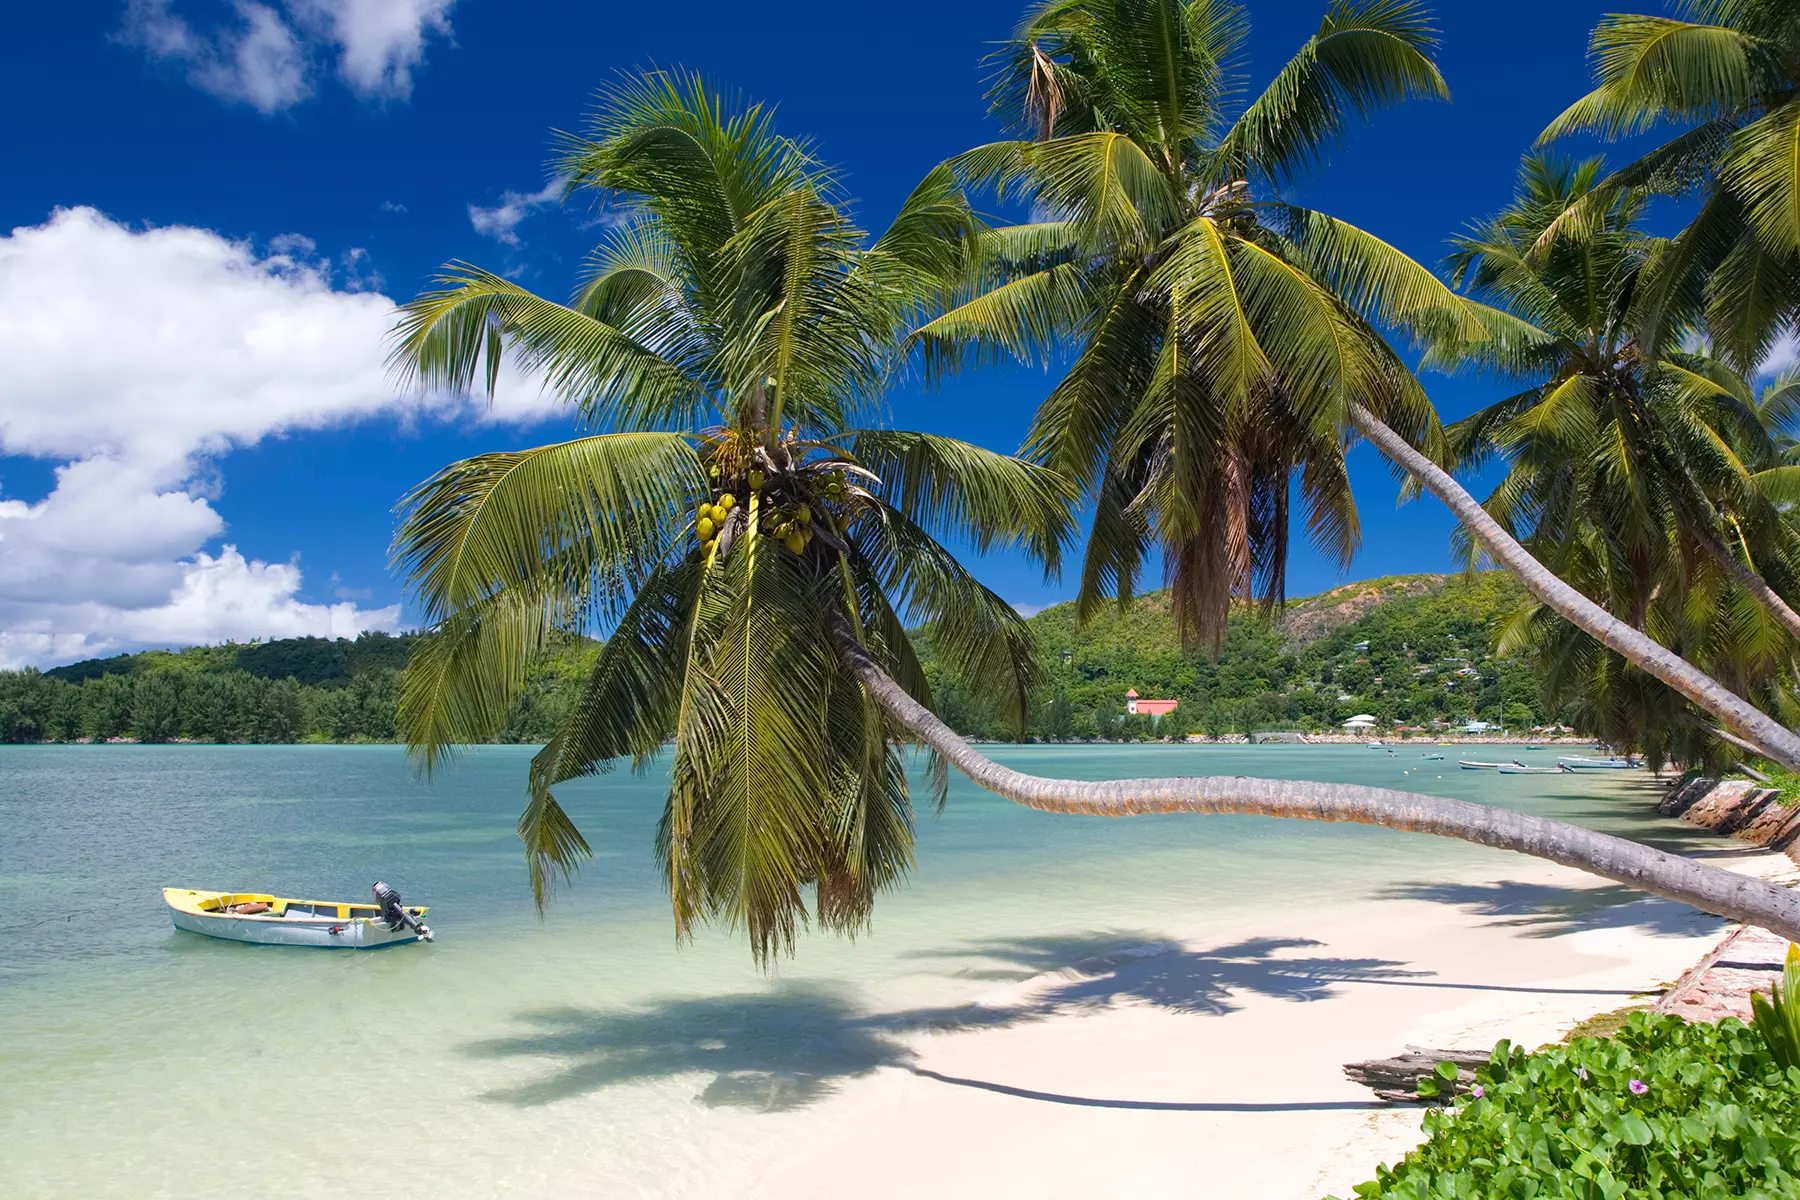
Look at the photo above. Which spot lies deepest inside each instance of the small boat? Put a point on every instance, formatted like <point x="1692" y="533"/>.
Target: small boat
<point x="1431" y="757"/>
<point x="277" y="921"/>
<point x="1519" y="768"/>
<point x="1466" y="765"/>
<point x="1534" y="747"/>
<point x="1378" y="745"/>
<point x="1598" y="764"/>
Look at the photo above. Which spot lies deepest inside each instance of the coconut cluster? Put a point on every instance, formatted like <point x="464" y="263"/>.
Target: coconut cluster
<point x="786" y="512"/>
<point x="709" y="519"/>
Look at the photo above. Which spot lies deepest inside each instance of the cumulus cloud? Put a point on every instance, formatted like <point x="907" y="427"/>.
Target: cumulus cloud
<point x="268" y="57"/>
<point x="136" y="358"/>
<point x="501" y="222"/>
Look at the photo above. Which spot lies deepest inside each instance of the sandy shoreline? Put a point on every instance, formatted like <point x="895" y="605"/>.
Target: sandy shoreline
<point x="1211" y="1066"/>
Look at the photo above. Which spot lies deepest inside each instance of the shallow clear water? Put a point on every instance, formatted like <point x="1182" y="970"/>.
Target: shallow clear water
<point x="584" y="1054"/>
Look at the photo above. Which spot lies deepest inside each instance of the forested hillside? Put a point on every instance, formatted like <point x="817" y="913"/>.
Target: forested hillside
<point x="290" y="690"/>
<point x="1427" y="656"/>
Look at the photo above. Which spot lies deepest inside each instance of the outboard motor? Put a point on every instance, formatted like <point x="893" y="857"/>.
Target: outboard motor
<point x="394" y="912"/>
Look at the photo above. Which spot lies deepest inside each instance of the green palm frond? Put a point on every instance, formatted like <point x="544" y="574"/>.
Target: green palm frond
<point x="600" y="506"/>
<point x="975" y="632"/>
<point x="1651" y="69"/>
<point x="1368" y="54"/>
<point x="446" y="336"/>
<point x="955" y="488"/>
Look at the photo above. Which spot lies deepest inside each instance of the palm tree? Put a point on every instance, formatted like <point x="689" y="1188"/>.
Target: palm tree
<point x="758" y="573"/>
<point x="1625" y="475"/>
<point x="1729" y="71"/>
<point x="726" y="515"/>
<point x="1226" y="340"/>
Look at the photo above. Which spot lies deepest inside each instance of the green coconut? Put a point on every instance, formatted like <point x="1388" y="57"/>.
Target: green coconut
<point x="704" y="527"/>
<point x="727" y="502"/>
<point x="794" y="542"/>
<point x="756" y="481"/>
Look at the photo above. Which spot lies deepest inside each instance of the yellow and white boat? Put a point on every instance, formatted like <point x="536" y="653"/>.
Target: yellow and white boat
<point x="277" y="921"/>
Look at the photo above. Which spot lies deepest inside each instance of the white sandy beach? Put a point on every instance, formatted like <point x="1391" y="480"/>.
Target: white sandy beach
<point x="1213" y="1067"/>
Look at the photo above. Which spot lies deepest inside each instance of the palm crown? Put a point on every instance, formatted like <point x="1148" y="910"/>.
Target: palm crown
<point x="728" y="522"/>
<point x="1728" y="70"/>
<point x="1635" y="478"/>
<point x="1221" y="335"/>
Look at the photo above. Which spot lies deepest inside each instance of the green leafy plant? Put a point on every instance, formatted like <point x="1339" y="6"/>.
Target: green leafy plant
<point x="1664" y="1109"/>
<point x="1777" y="1017"/>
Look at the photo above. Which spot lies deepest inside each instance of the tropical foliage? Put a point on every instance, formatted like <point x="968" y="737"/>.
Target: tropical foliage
<point x="1220" y="335"/>
<point x="728" y="517"/>
<point x="1663" y="1108"/>
<point x="1727" y="74"/>
<point x="1633" y="477"/>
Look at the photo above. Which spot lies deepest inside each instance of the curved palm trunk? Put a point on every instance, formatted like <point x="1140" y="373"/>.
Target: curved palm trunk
<point x="1738" y="714"/>
<point x="1682" y="879"/>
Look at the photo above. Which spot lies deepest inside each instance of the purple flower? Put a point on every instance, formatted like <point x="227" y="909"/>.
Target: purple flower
<point x="1477" y="1091"/>
<point x="1638" y="1087"/>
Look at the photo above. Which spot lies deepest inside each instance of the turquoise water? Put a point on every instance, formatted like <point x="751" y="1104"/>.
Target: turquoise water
<point x="584" y="1054"/>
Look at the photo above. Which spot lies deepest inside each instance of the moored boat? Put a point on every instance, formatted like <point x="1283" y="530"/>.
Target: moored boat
<point x="1598" y="764"/>
<point x="1466" y="765"/>
<point x="266" y="920"/>
<point x="1519" y="768"/>
<point x="1431" y="757"/>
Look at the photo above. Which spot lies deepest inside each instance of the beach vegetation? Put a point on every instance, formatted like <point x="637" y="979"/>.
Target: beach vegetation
<point x="1661" y="1108"/>
<point x="1777" y="1016"/>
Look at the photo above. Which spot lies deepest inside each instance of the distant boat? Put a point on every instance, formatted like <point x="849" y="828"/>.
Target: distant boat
<point x="1598" y="764"/>
<point x="1430" y="757"/>
<point x="1378" y="745"/>
<point x="1519" y="768"/>
<point x="1466" y="765"/>
<point x="277" y="921"/>
<point x="1534" y="747"/>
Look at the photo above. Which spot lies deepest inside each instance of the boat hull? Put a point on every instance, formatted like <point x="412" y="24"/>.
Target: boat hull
<point x="321" y="933"/>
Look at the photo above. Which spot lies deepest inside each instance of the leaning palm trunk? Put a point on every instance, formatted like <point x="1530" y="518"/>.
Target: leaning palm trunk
<point x="1747" y="578"/>
<point x="1710" y="889"/>
<point x="1738" y="714"/>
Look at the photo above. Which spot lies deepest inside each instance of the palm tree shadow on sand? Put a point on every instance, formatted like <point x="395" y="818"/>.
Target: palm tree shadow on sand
<point x="795" y="1044"/>
<point x="1545" y="910"/>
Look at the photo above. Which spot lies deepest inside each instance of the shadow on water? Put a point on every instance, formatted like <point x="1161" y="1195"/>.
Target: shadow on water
<point x="794" y="1045"/>
<point x="1545" y="910"/>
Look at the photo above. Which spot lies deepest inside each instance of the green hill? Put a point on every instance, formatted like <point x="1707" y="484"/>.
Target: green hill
<point x="287" y="690"/>
<point x="1392" y="647"/>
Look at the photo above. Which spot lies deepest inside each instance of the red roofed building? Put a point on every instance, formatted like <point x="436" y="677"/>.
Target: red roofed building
<point x="1148" y="708"/>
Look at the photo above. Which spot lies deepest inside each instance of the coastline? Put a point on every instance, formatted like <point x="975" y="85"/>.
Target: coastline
<point x="1212" y="1064"/>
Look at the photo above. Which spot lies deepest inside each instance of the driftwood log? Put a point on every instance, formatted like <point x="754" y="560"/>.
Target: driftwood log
<point x="1397" y="1079"/>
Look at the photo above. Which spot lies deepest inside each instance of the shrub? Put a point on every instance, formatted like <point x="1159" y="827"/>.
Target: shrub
<point x="1662" y="1110"/>
<point x="1777" y="1015"/>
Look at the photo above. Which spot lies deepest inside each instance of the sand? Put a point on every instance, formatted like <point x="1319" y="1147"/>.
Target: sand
<point x="1211" y="1066"/>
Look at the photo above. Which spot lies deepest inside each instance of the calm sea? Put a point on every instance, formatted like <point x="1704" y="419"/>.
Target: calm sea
<point x="585" y="1054"/>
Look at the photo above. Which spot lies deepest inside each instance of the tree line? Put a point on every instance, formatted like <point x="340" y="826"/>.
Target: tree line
<point x="287" y="690"/>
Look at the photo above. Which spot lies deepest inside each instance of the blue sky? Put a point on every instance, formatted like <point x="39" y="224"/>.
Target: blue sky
<point x="193" y="361"/>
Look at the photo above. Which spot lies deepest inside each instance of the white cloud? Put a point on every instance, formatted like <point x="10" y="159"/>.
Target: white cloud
<point x="1029" y="610"/>
<point x="1784" y="355"/>
<point x="268" y="57"/>
<point x="136" y="357"/>
<point x="502" y="221"/>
